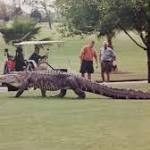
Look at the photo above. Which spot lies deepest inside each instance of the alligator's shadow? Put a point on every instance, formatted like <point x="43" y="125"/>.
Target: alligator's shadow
<point x="55" y="98"/>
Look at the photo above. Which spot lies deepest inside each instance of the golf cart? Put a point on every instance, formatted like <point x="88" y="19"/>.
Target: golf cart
<point x="31" y="65"/>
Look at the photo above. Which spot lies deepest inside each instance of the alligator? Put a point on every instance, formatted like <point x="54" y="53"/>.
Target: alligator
<point x="56" y="80"/>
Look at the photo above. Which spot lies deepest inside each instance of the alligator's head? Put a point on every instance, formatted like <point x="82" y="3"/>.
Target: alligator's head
<point x="14" y="79"/>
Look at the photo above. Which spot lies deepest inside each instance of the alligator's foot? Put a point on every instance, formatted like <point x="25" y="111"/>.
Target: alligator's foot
<point x="19" y="93"/>
<point x="61" y="94"/>
<point x="43" y="92"/>
<point x="58" y="96"/>
<point x="44" y="96"/>
<point x="80" y="98"/>
<point x="80" y="93"/>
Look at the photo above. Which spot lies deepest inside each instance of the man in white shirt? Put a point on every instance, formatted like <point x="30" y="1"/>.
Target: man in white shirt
<point x="107" y="56"/>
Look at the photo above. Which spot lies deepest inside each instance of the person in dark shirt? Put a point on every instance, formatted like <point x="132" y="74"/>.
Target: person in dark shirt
<point x="35" y="56"/>
<point x="6" y="53"/>
<point x="19" y="58"/>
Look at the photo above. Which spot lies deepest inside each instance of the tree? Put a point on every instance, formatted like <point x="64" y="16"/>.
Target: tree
<point x="41" y="5"/>
<point x="48" y="12"/>
<point x="5" y="11"/>
<point x="35" y="14"/>
<point x="125" y="15"/>
<point x="110" y="16"/>
<point x="81" y="15"/>
<point x="21" y="29"/>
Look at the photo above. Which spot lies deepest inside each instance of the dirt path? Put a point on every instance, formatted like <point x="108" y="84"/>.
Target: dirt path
<point x="126" y="82"/>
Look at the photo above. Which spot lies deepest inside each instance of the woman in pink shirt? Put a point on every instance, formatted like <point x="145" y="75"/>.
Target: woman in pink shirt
<point x="88" y="53"/>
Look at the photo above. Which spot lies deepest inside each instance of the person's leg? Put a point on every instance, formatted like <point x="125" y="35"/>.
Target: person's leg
<point x="89" y="76"/>
<point x="108" y="76"/>
<point x="102" y="76"/>
<point x="90" y="70"/>
<point x="83" y="75"/>
<point x="103" y="71"/>
<point x="83" y="68"/>
<point x="109" y="70"/>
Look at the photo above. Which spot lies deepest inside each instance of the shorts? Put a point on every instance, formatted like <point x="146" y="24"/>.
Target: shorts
<point x="86" y="67"/>
<point x="106" y="66"/>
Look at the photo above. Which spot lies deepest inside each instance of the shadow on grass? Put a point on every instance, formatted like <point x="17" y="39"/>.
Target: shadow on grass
<point x="52" y="98"/>
<point x="56" y="98"/>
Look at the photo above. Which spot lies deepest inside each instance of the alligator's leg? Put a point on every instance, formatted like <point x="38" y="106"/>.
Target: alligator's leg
<point x="80" y="93"/>
<point x="74" y="85"/>
<point x="62" y="93"/>
<point x="43" y="92"/>
<point x="23" y="87"/>
<point x="19" y="93"/>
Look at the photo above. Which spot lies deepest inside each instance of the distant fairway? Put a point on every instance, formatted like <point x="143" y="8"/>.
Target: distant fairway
<point x="130" y="58"/>
<point x="97" y="123"/>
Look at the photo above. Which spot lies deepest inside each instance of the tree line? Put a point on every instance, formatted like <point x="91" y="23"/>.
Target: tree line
<point x="107" y="17"/>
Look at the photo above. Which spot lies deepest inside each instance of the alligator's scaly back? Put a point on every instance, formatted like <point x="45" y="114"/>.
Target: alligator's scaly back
<point x="55" y="80"/>
<point x="112" y="92"/>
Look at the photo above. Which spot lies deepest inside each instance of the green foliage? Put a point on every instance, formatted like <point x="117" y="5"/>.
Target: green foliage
<point x="20" y="29"/>
<point x="6" y="11"/>
<point x="107" y="16"/>
<point x="127" y="15"/>
<point x="79" y="14"/>
<point x="36" y="15"/>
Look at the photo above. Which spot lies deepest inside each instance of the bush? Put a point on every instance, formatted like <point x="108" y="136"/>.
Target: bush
<point x="20" y="29"/>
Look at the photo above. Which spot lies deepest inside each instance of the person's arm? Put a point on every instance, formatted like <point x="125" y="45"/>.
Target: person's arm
<point x="113" y="55"/>
<point x="82" y="54"/>
<point x="8" y="55"/>
<point x="100" y="55"/>
<point x="95" y="56"/>
<point x="42" y="57"/>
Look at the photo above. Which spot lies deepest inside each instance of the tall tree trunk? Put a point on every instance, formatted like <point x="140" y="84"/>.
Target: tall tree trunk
<point x="49" y="19"/>
<point x="148" y="62"/>
<point x="48" y="13"/>
<point x="148" y="54"/>
<point x="109" y="40"/>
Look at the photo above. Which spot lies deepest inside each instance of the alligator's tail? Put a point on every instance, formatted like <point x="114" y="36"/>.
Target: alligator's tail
<point x="112" y="92"/>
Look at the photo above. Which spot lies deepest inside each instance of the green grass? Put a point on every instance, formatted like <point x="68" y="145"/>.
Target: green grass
<point x="92" y="124"/>
<point x="130" y="58"/>
<point x="97" y="123"/>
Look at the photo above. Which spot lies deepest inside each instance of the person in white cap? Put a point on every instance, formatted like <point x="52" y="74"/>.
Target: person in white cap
<point x="107" y="56"/>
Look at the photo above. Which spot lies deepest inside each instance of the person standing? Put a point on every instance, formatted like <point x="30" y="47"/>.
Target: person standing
<point x="19" y="58"/>
<point x="107" y="56"/>
<point x="9" y="62"/>
<point x="88" y="53"/>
